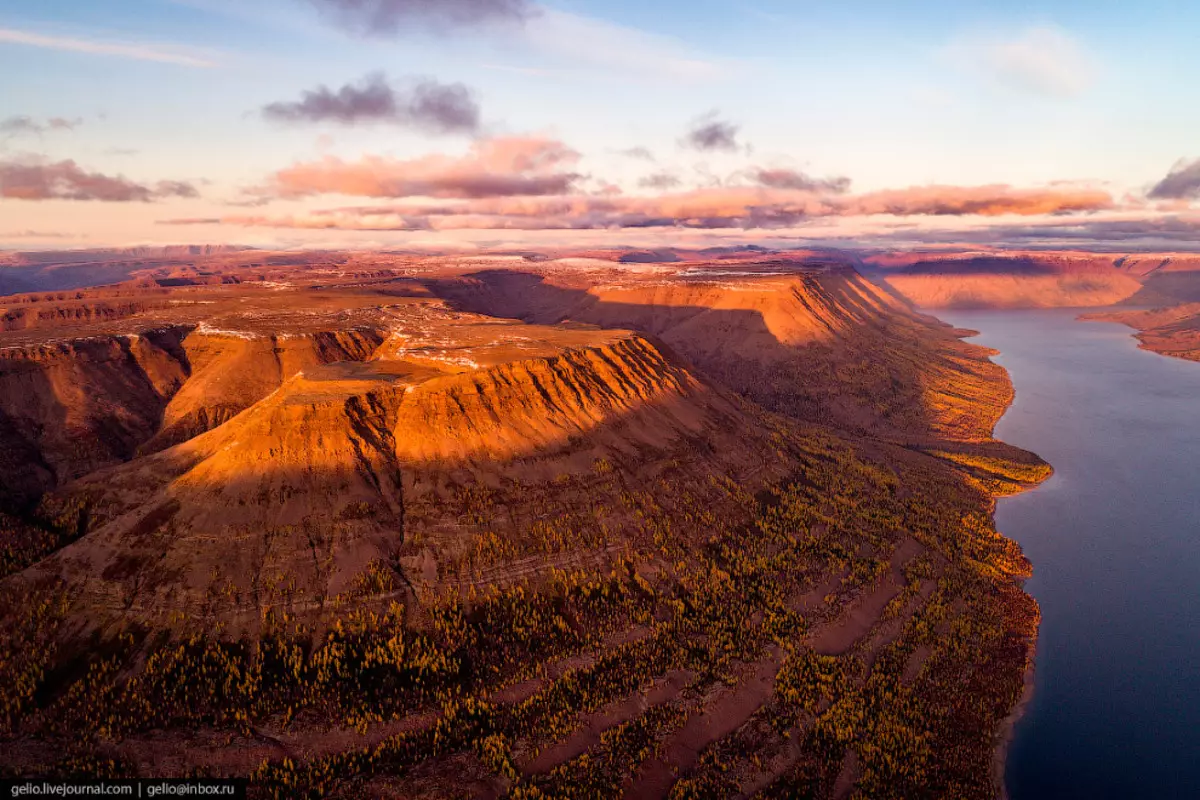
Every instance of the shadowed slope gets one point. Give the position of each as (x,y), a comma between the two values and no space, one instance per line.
(1036,279)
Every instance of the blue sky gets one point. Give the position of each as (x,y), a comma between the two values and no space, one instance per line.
(890,95)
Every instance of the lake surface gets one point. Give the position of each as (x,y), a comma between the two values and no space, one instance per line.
(1114,538)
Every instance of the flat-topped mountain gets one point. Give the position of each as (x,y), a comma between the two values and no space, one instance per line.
(1037,279)
(815,342)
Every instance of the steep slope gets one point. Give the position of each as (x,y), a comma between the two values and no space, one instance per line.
(511,409)
(252,510)
(53,315)
(1146,264)
(77,404)
(1167,278)
(821,344)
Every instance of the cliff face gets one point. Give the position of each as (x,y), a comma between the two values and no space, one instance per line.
(1014,280)
(27,318)
(1015,291)
(1145,264)
(284,505)
(514,409)
(83,404)
(78,405)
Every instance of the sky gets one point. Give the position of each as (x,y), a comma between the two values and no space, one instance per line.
(499,123)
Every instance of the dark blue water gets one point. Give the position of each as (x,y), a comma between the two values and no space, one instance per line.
(1114,538)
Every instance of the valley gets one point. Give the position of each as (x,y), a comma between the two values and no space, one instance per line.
(386,525)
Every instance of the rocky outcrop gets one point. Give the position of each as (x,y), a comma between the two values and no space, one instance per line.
(515,409)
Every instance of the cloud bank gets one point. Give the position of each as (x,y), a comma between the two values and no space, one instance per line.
(462,202)
(33,179)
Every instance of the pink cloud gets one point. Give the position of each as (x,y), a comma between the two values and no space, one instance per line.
(35,179)
(744,207)
(982,200)
(514,166)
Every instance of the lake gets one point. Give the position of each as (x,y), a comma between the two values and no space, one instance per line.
(1114,538)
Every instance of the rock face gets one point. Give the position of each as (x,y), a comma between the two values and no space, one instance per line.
(513,409)
(1015,291)
(82,404)
(26,318)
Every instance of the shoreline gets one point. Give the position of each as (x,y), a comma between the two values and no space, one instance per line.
(1004,735)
